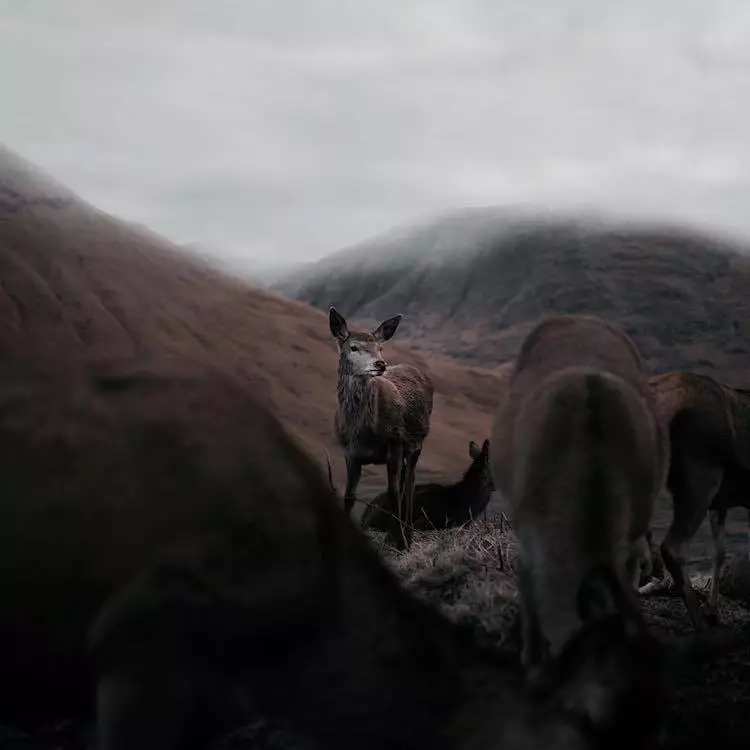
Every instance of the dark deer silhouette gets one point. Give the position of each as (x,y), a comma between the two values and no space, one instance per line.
(709,427)
(440,506)
(224,581)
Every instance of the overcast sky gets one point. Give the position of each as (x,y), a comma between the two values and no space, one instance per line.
(286,129)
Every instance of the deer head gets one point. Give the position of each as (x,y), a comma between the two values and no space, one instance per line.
(475,452)
(361,353)
(481,462)
(611,674)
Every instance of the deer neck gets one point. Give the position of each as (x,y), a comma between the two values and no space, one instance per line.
(472,477)
(355,395)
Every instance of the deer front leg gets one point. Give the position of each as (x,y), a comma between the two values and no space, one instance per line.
(395,469)
(353,475)
(410,476)
(639,564)
(718,519)
(657,564)
(693,486)
(656,584)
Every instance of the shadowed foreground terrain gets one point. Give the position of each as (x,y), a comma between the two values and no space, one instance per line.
(470,575)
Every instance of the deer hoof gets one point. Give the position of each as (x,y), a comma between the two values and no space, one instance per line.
(652,587)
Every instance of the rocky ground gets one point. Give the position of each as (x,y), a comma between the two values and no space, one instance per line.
(470,575)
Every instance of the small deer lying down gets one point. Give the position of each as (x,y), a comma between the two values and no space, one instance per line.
(579,458)
(383,415)
(168,507)
(440,506)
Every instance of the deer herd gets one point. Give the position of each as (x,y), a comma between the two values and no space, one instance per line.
(205,576)
(583,444)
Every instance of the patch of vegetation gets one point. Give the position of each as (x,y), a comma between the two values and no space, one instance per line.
(470,574)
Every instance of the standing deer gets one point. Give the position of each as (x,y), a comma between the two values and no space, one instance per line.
(383,414)
(440,506)
(579,458)
(709,427)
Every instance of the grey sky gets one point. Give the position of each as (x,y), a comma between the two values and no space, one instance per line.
(284,130)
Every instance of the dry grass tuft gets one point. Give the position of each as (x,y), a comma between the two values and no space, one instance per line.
(468,572)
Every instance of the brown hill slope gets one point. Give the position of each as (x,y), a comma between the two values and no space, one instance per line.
(73,276)
(472,283)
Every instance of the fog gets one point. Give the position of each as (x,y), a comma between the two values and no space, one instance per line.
(278,131)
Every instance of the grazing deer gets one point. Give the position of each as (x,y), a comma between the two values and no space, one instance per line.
(579,458)
(440,506)
(709,427)
(383,414)
(225,584)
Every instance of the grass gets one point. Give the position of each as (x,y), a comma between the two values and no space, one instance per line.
(470,575)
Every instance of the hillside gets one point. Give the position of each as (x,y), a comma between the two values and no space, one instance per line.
(472,283)
(75,277)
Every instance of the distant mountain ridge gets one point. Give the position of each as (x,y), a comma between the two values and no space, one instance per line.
(472,284)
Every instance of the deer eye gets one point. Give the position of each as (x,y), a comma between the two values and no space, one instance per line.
(355,348)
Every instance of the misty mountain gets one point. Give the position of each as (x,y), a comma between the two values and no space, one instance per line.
(471,284)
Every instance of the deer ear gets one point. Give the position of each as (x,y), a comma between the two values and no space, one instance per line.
(474,450)
(486,448)
(337,324)
(387,328)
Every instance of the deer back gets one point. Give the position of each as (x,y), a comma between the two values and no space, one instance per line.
(579,455)
(708,420)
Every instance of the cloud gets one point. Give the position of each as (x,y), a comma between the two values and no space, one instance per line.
(284,130)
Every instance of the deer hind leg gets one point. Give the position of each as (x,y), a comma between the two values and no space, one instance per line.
(717,517)
(693,486)
(395,469)
(657,581)
(353,475)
